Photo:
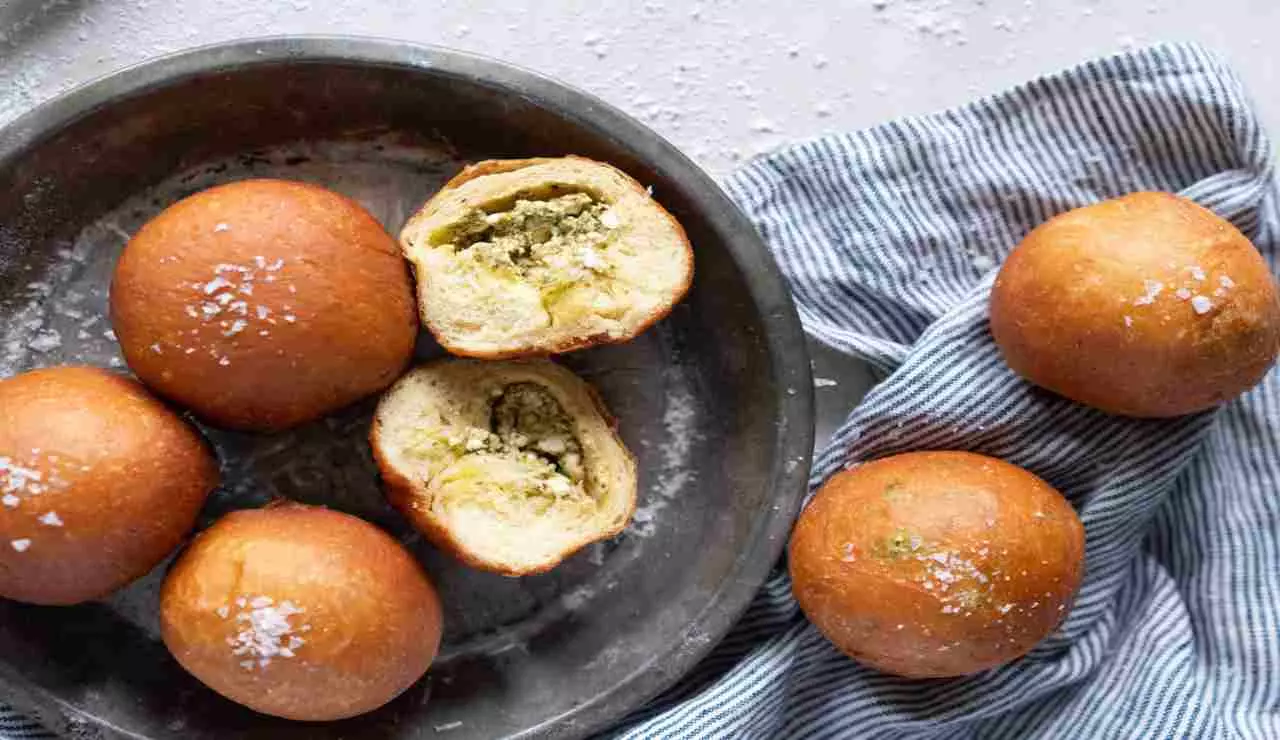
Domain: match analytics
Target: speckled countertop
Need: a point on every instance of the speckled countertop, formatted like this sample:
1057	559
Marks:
722	80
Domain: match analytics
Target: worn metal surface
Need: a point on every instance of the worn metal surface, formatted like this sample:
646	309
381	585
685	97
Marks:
716	401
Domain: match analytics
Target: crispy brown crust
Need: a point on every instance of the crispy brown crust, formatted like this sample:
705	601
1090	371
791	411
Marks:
935	564
133	478
566	344
375	617
1063	308
344	287
409	497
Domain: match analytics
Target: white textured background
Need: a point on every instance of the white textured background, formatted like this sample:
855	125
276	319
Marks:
723	80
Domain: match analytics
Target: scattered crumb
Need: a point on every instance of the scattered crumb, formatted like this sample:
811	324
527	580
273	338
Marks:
824	383
46	341
982	262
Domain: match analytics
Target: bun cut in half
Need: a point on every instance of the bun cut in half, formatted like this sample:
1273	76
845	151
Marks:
510	466
538	256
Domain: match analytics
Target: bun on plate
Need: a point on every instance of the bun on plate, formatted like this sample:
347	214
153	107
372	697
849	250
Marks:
99	482
300	612
932	564
510	466
1146	305
538	256
263	304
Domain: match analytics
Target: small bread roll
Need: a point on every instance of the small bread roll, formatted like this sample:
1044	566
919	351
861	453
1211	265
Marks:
538	256
99	482
510	466
1146	305
933	564
300	612
264	304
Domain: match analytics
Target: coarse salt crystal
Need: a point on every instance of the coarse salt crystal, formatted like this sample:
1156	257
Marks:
1201	304
290	318
1226	282
1197	272
1183	293
224	611
1128	321
50	519
20	545
224	361
191	311
263	312
236	327
1152	289
10	500
221	228
215	285
156	348
275	265
260	261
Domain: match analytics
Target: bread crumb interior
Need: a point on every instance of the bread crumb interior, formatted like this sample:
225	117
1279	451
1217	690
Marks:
558	241
522	482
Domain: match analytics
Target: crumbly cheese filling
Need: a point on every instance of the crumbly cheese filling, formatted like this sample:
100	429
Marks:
552	244
527	463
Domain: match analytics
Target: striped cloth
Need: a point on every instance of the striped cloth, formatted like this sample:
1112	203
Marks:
889	237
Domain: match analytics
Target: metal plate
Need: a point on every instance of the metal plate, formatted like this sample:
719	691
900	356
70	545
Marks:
715	401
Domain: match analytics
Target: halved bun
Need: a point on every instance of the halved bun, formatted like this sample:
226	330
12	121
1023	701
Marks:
537	256
509	466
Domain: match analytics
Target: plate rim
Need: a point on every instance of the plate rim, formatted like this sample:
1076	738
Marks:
783	335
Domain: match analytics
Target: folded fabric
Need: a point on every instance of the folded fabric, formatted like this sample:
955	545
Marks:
890	238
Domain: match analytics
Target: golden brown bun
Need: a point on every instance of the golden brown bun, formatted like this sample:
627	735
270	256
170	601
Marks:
263	304
99	482
561	299
1146	305
300	612
934	564
495	508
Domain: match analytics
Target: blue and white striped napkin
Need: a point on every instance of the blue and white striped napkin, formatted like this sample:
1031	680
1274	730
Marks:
889	238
